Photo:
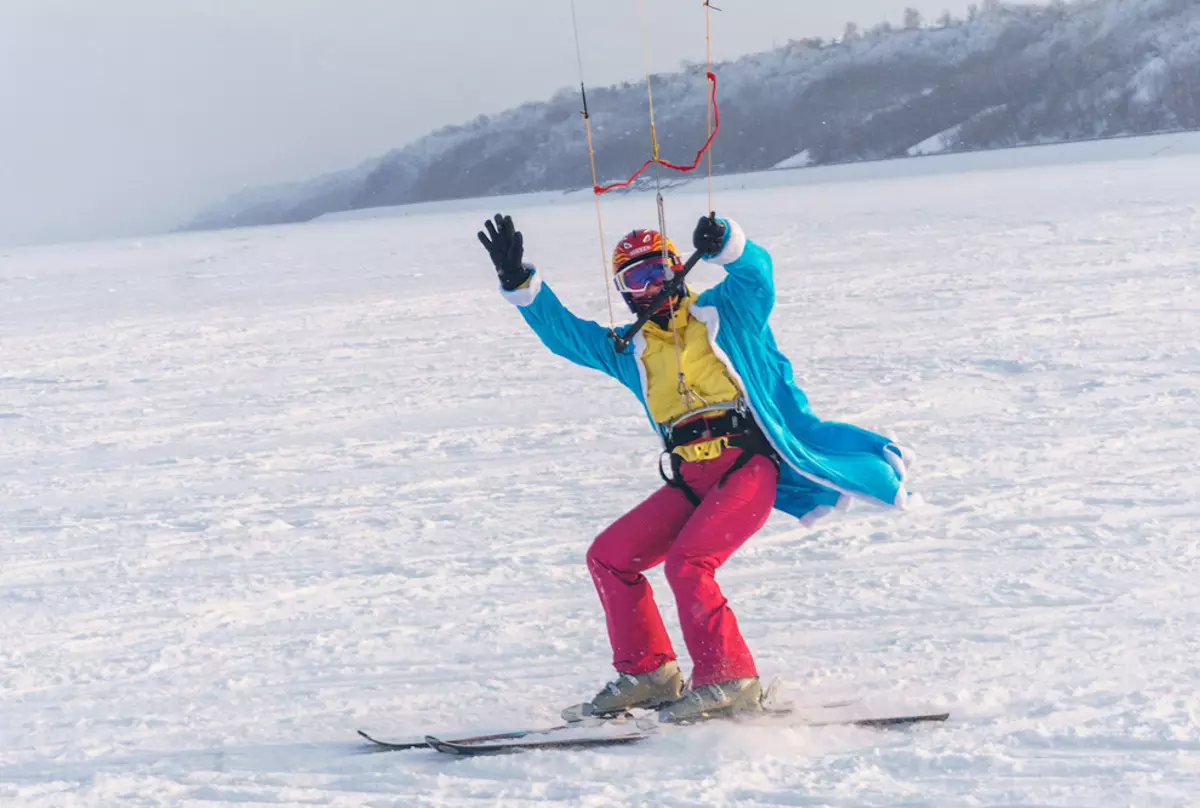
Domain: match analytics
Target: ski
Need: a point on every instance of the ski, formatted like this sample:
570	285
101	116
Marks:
527	740
530	744
879	722
775	708
393	746
889	722
399	746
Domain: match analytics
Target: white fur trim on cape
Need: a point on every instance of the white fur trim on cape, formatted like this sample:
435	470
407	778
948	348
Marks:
894	455
525	296
639	349
901	459
735	245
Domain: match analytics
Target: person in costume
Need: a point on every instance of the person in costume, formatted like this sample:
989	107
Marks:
741	440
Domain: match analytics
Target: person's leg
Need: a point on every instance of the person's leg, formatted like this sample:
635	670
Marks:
728	515
636	542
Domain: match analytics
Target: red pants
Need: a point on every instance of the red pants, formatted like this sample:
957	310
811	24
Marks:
692	541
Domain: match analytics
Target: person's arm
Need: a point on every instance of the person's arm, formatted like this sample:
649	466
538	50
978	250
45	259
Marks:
581	341
749	283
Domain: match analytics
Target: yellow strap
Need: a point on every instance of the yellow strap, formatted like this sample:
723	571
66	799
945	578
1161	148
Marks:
703	450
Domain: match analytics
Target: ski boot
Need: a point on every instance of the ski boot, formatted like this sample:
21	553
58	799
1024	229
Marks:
715	701
629	691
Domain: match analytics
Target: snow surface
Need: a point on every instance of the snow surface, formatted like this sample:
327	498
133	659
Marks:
262	488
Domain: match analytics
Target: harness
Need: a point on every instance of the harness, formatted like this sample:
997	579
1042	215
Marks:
731	421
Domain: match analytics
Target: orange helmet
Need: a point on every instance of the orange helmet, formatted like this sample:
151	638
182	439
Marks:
640	245
638	261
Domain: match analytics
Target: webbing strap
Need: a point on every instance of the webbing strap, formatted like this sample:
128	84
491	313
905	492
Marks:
752	444
728	422
676	478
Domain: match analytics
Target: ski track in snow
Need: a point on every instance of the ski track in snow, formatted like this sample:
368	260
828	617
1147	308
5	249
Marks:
262	488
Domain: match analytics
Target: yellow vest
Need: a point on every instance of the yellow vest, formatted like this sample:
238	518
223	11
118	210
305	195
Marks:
705	374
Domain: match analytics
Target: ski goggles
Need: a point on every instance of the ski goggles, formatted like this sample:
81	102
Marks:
641	276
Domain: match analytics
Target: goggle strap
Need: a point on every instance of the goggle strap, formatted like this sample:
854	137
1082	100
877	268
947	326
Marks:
671	257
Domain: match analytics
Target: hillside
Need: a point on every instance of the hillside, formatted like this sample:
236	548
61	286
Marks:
1010	75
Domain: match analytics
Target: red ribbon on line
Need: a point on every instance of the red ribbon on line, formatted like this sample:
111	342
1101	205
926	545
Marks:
601	189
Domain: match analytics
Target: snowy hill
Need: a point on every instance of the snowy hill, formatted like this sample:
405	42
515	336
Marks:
1011	75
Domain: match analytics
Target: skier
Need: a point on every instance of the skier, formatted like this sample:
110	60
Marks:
740	438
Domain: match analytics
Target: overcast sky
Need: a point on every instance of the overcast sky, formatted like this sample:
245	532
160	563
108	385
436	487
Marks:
126	116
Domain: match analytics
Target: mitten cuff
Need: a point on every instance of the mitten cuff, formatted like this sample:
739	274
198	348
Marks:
735	244
524	295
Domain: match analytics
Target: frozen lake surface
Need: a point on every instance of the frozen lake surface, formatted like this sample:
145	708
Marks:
261	488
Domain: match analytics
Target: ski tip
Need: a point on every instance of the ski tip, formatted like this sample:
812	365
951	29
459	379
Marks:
384	746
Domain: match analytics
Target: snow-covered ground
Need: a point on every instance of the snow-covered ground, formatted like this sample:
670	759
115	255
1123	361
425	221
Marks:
262	488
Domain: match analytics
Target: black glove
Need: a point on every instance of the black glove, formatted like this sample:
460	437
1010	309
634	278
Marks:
709	235
505	245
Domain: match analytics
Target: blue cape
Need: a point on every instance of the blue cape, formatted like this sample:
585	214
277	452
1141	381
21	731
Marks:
823	461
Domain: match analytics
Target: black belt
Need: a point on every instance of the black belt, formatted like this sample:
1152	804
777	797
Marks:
743	433
730	422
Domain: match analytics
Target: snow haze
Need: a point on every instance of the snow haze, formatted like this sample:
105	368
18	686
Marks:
262	488
129	116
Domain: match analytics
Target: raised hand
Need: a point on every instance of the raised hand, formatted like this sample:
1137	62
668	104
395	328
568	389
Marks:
709	235
506	246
